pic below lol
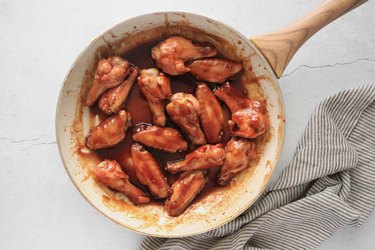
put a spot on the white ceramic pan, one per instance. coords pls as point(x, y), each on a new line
point(264, 59)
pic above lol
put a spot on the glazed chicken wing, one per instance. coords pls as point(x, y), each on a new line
point(249, 122)
point(148, 171)
point(171, 54)
point(110, 174)
point(184, 189)
point(238, 153)
point(109, 132)
point(211, 113)
point(214, 70)
point(113, 99)
point(166, 139)
point(184, 111)
point(109, 73)
point(233, 100)
point(204, 157)
point(156, 87)
point(249, 118)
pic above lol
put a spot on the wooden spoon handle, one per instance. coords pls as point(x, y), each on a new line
point(280, 46)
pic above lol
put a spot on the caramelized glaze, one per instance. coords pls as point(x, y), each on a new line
point(137, 105)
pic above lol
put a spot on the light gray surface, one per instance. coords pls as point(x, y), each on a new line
point(39, 206)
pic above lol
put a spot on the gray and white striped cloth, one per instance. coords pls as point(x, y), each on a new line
point(329, 183)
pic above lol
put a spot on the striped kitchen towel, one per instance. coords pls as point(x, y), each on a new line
point(329, 183)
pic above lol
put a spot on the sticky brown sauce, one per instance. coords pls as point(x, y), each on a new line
point(137, 105)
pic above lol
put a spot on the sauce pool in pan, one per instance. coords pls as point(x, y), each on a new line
point(138, 107)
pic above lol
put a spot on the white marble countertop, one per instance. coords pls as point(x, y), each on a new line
point(39, 206)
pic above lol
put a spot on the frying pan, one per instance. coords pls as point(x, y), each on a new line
point(264, 59)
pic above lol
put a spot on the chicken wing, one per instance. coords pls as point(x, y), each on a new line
point(156, 87)
point(233, 100)
point(214, 70)
point(184, 111)
point(249, 118)
point(148, 171)
point(238, 153)
point(109, 73)
point(204, 157)
point(171, 54)
point(109, 132)
point(211, 113)
point(110, 174)
point(184, 189)
point(249, 122)
point(113, 99)
point(166, 139)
